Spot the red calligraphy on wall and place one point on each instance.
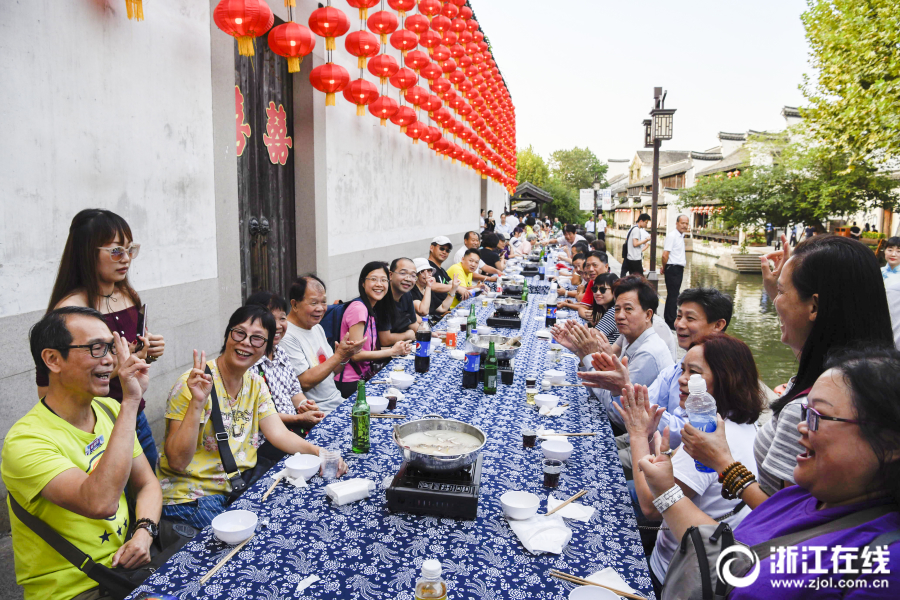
(276, 138)
(243, 129)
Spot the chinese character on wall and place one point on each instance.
(276, 138)
(243, 129)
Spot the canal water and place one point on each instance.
(754, 320)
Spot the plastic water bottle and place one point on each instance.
(431, 586)
(701, 410)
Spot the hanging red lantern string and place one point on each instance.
(404, 40)
(292, 41)
(430, 8)
(473, 26)
(330, 79)
(384, 66)
(135, 9)
(383, 23)
(402, 6)
(329, 23)
(362, 45)
(457, 26)
(363, 6)
(465, 13)
(465, 37)
(404, 117)
(450, 10)
(244, 20)
(384, 108)
(457, 51)
(361, 93)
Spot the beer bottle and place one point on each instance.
(471, 322)
(525, 291)
(360, 419)
(490, 371)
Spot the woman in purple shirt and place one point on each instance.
(850, 434)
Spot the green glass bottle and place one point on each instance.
(360, 418)
(490, 371)
(525, 291)
(471, 322)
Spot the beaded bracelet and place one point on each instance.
(728, 470)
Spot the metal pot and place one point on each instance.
(508, 306)
(481, 344)
(429, 462)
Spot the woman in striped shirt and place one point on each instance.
(603, 314)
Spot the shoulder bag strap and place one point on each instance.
(108, 411)
(764, 550)
(51, 537)
(228, 463)
(625, 245)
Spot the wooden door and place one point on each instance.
(264, 119)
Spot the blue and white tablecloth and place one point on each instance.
(362, 551)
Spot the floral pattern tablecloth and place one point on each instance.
(362, 551)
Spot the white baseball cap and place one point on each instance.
(422, 264)
(442, 240)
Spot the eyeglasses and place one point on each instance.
(381, 280)
(257, 341)
(600, 289)
(117, 253)
(812, 417)
(445, 248)
(98, 349)
(406, 274)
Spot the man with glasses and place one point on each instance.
(404, 321)
(68, 460)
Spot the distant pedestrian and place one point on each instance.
(855, 231)
(636, 241)
(794, 231)
(770, 234)
(809, 232)
(601, 229)
(674, 259)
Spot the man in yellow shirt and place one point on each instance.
(464, 270)
(67, 463)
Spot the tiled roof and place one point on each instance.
(738, 158)
(734, 137)
(528, 191)
(707, 155)
(791, 111)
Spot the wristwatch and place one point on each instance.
(151, 527)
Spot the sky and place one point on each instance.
(582, 72)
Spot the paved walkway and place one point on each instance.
(8, 588)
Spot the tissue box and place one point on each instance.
(351, 490)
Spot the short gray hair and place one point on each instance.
(682, 215)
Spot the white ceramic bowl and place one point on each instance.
(558, 449)
(304, 465)
(235, 526)
(462, 312)
(555, 377)
(377, 404)
(491, 294)
(592, 592)
(548, 400)
(519, 505)
(484, 330)
(402, 380)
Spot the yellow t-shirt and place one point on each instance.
(37, 448)
(205, 474)
(464, 279)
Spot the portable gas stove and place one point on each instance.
(508, 320)
(452, 494)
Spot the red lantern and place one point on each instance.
(402, 6)
(292, 41)
(429, 8)
(440, 24)
(450, 38)
(361, 93)
(429, 40)
(415, 95)
(384, 108)
(363, 45)
(457, 77)
(431, 72)
(404, 79)
(383, 23)
(431, 104)
(329, 78)
(457, 25)
(465, 62)
(440, 85)
(363, 6)
(416, 59)
(457, 51)
(472, 25)
(415, 130)
(441, 53)
(383, 66)
(430, 135)
(244, 20)
(404, 40)
(465, 37)
(417, 23)
(403, 117)
(465, 13)
(329, 23)
(448, 66)
(450, 10)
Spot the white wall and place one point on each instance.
(100, 111)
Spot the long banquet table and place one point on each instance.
(363, 551)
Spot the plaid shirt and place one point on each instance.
(281, 379)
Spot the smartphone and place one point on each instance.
(141, 327)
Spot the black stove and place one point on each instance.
(452, 494)
(508, 320)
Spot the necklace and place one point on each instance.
(108, 299)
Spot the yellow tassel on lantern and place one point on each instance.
(384, 122)
(363, 13)
(135, 9)
(329, 99)
(384, 38)
(402, 14)
(431, 146)
(294, 63)
(403, 129)
(431, 52)
(383, 80)
(361, 62)
(360, 110)
(245, 46)
(415, 141)
(483, 176)
(288, 3)
(329, 43)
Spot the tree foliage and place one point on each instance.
(532, 167)
(804, 184)
(854, 96)
(577, 168)
(565, 202)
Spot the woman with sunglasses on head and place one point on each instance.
(828, 295)
(603, 314)
(194, 483)
(849, 435)
(93, 272)
(360, 319)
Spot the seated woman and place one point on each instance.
(423, 301)
(297, 412)
(359, 321)
(726, 365)
(194, 483)
(850, 435)
(603, 313)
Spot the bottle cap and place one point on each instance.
(696, 384)
(431, 568)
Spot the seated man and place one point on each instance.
(568, 239)
(484, 273)
(67, 462)
(490, 253)
(307, 347)
(403, 321)
(577, 281)
(437, 254)
(195, 484)
(595, 263)
(463, 271)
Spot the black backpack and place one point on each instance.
(625, 245)
(331, 322)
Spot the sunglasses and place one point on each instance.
(445, 248)
(118, 253)
(812, 417)
(600, 289)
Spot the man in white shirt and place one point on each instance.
(636, 241)
(502, 226)
(674, 259)
(601, 229)
(307, 345)
(512, 221)
(589, 226)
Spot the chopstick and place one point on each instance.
(271, 487)
(388, 416)
(570, 500)
(568, 385)
(234, 551)
(570, 434)
(581, 581)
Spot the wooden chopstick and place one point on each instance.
(570, 500)
(234, 551)
(271, 487)
(568, 385)
(581, 581)
(570, 434)
(388, 416)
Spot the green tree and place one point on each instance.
(853, 96)
(565, 202)
(806, 183)
(532, 167)
(577, 168)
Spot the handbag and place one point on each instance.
(692, 572)
(239, 481)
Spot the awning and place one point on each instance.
(524, 206)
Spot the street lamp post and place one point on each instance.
(596, 185)
(656, 129)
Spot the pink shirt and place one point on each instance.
(356, 313)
